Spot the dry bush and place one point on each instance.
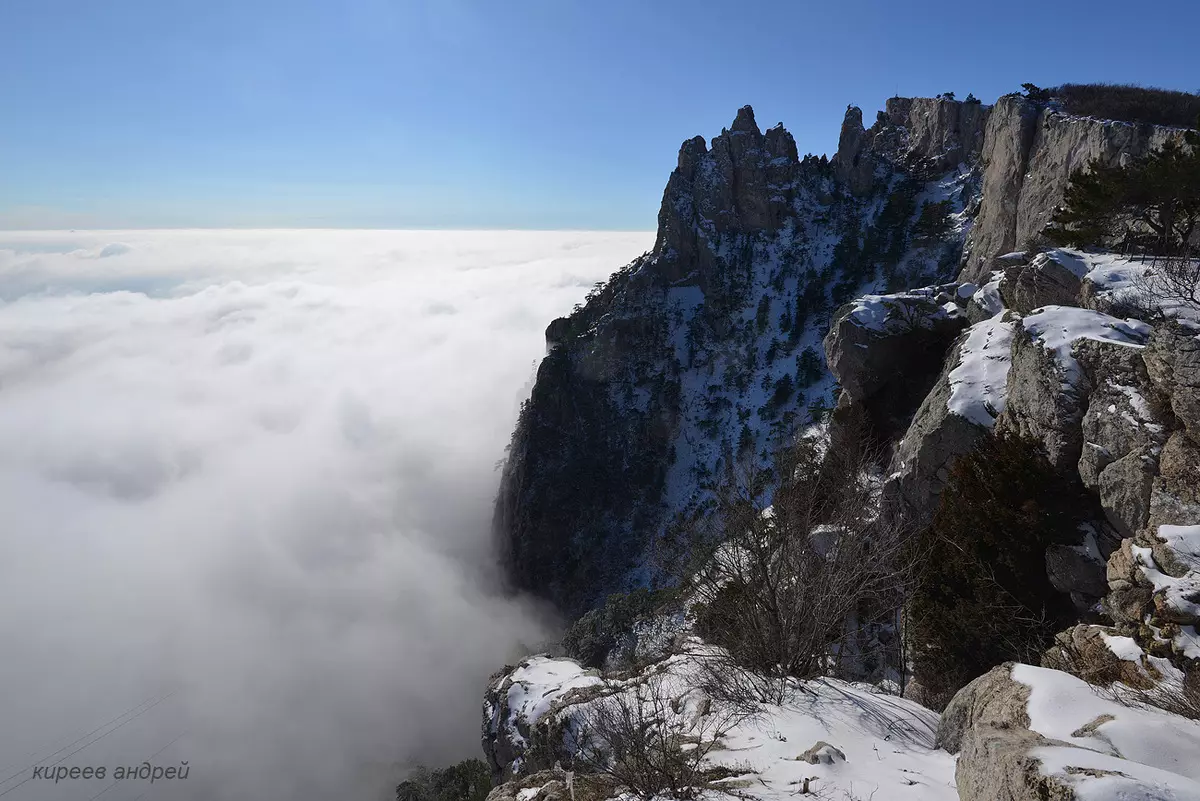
(643, 739)
(1174, 280)
(1179, 699)
(791, 591)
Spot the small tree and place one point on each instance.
(1154, 199)
(982, 594)
(1035, 93)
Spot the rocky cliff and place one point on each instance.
(707, 349)
(779, 286)
(1029, 152)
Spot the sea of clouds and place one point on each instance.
(245, 483)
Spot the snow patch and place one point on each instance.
(978, 383)
(1057, 328)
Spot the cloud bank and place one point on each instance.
(246, 477)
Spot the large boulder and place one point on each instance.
(1122, 433)
(1054, 278)
(1047, 389)
(963, 405)
(886, 350)
(1024, 732)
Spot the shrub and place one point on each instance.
(788, 592)
(636, 737)
(1129, 103)
(469, 780)
(598, 633)
(982, 595)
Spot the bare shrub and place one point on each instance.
(1170, 281)
(648, 740)
(803, 568)
(1181, 699)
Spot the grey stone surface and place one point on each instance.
(1044, 281)
(1122, 434)
(935, 439)
(1029, 153)
(1038, 406)
(993, 699)
(1173, 361)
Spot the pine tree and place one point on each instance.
(1155, 197)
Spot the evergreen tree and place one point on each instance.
(1155, 197)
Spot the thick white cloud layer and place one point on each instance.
(255, 470)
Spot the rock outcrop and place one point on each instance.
(1029, 153)
(1023, 732)
(881, 348)
(709, 345)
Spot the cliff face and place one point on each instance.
(1029, 152)
(707, 349)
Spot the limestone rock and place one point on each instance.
(1175, 491)
(992, 700)
(943, 132)
(1029, 153)
(885, 351)
(854, 164)
(1049, 279)
(1122, 434)
(997, 764)
(938, 435)
(1173, 361)
(1037, 406)
(822, 754)
(1083, 651)
(1078, 571)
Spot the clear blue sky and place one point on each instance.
(486, 113)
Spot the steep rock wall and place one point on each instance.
(1029, 152)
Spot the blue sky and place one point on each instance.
(481, 113)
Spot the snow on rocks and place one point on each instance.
(859, 739)
(1057, 328)
(986, 301)
(518, 698)
(903, 311)
(1030, 732)
(978, 383)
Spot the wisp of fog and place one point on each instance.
(245, 489)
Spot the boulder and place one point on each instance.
(822, 754)
(1053, 278)
(1172, 359)
(1121, 432)
(1084, 651)
(886, 351)
(1024, 732)
(992, 700)
(1078, 571)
